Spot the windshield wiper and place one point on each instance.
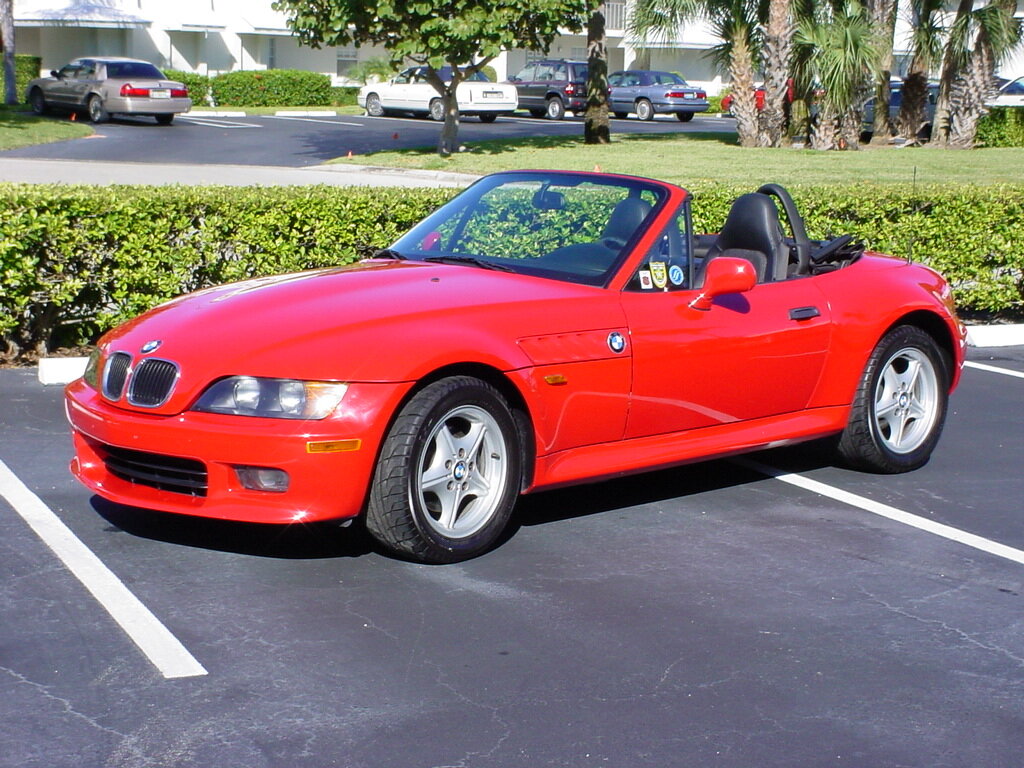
(388, 253)
(470, 260)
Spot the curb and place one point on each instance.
(381, 170)
(64, 370)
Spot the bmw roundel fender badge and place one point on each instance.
(616, 342)
(150, 346)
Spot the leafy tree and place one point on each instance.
(7, 42)
(462, 34)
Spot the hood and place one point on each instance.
(372, 321)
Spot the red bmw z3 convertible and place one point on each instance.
(541, 329)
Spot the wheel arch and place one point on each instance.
(521, 413)
(939, 330)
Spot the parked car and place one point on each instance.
(108, 85)
(410, 92)
(648, 93)
(1011, 94)
(895, 102)
(541, 329)
(549, 88)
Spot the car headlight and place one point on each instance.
(271, 398)
(92, 369)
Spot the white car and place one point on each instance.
(1010, 95)
(410, 92)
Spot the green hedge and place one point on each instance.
(198, 85)
(1002, 127)
(343, 96)
(271, 88)
(25, 68)
(75, 261)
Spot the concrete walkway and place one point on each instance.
(34, 171)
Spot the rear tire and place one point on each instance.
(449, 473)
(488, 117)
(555, 109)
(644, 110)
(164, 119)
(684, 117)
(900, 405)
(437, 110)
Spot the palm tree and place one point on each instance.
(926, 54)
(597, 125)
(734, 22)
(883, 17)
(778, 48)
(7, 41)
(979, 40)
(840, 55)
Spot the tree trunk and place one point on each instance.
(883, 19)
(824, 130)
(950, 71)
(597, 125)
(7, 39)
(744, 105)
(448, 142)
(777, 48)
(913, 104)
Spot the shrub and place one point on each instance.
(1002, 127)
(25, 68)
(344, 95)
(271, 88)
(198, 85)
(75, 261)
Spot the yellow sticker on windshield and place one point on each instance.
(659, 274)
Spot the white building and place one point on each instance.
(214, 36)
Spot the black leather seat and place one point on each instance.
(626, 219)
(752, 231)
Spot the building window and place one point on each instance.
(272, 53)
(532, 56)
(346, 59)
(578, 54)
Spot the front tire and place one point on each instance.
(900, 404)
(437, 110)
(449, 473)
(644, 110)
(97, 112)
(373, 106)
(38, 101)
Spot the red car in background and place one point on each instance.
(541, 329)
(759, 92)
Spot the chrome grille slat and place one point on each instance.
(166, 473)
(152, 382)
(115, 375)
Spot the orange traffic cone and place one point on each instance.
(394, 136)
(74, 116)
(349, 155)
(597, 168)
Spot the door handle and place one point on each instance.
(803, 313)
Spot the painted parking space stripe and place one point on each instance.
(994, 369)
(213, 122)
(312, 120)
(162, 648)
(884, 510)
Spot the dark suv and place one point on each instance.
(549, 87)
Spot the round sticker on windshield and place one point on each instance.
(675, 274)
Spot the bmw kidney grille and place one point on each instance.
(149, 384)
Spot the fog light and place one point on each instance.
(263, 479)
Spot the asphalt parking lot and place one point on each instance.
(298, 141)
(711, 615)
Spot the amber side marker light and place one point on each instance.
(333, 446)
(556, 380)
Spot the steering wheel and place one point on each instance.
(796, 225)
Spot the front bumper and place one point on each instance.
(327, 485)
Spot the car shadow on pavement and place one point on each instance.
(300, 541)
(675, 483)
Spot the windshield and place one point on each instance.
(570, 227)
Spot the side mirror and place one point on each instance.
(54, 73)
(724, 274)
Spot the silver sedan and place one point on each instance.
(104, 86)
(647, 93)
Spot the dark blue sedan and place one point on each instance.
(649, 93)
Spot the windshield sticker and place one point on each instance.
(659, 274)
(675, 274)
(645, 280)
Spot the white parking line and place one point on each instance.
(884, 510)
(994, 369)
(313, 120)
(162, 648)
(217, 123)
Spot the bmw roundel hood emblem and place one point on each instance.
(616, 342)
(150, 346)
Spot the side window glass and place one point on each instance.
(527, 74)
(667, 266)
(544, 72)
(615, 79)
(560, 73)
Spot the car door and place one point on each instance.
(396, 94)
(84, 82)
(61, 89)
(619, 99)
(752, 355)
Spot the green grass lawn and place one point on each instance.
(20, 128)
(695, 159)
